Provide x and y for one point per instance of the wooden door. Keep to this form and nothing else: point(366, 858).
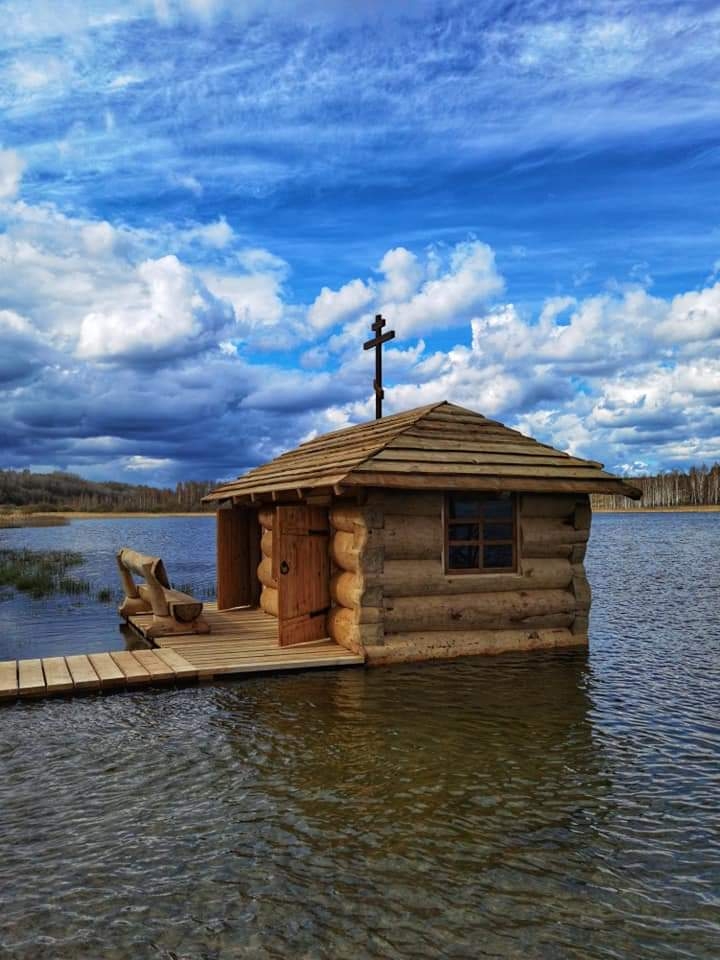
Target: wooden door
point(302, 566)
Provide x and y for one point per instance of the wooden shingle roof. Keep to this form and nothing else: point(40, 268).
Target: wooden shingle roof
point(437, 447)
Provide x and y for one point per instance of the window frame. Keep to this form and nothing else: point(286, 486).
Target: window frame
point(514, 541)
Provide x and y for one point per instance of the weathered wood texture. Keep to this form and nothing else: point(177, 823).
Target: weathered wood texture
point(440, 446)
point(302, 568)
point(238, 553)
point(356, 549)
point(246, 641)
point(78, 673)
point(266, 577)
point(436, 645)
point(482, 612)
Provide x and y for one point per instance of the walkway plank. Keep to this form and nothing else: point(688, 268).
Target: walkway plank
point(157, 668)
point(179, 665)
point(57, 675)
point(31, 680)
point(82, 673)
point(109, 673)
point(134, 672)
point(8, 679)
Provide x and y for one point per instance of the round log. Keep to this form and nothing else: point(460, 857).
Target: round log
point(435, 645)
point(180, 605)
point(139, 562)
point(413, 538)
point(346, 516)
point(551, 530)
point(269, 601)
point(548, 505)
point(418, 578)
point(470, 610)
point(343, 550)
point(265, 574)
point(346, 589)
point(343, 629)
point(266, 542)
point(266, 515)
point(406, 503)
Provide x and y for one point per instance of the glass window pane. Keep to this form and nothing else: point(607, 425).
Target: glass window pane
point(464, 531)
point(465, 505)
point(497, 531)
point(497, 555)
point(498, 509)
point(464, 558)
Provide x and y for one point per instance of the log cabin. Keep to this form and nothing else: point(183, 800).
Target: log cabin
point(433, 533)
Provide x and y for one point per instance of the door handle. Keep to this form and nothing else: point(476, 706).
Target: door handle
point(284, 567)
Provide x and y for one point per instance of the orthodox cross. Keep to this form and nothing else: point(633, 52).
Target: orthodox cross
point(377, 342)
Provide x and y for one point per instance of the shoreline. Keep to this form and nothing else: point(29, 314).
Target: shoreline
point(702, 508)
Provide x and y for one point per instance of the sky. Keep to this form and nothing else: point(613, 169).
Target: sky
point(203, 204)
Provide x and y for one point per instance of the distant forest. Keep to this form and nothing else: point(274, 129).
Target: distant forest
point(698, 487)
point(51, 492)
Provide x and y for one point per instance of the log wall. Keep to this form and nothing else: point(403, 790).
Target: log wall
point(268, 583)
point(424, 613)
point(355, 618)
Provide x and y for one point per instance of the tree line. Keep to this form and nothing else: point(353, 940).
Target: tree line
point(696, 487)
point(52, 492)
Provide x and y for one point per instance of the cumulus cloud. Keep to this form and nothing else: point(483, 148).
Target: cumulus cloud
point(450, 300)
point(622, 376)
point(336, 306)
point(174, 314)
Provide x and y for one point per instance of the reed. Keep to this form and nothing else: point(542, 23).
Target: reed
point(15, 520)
point(41, 573)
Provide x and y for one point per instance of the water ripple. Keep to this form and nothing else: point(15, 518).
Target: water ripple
point(548, 806)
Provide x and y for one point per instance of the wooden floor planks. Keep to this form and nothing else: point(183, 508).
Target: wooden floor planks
point(245, 640)
point(241, 641)
point(79, 673)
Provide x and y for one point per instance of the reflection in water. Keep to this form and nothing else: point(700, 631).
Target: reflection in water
point(543, 806)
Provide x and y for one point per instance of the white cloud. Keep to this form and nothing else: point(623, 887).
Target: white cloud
point(187, 182)
point(450, 299)
point(12, 166)
point(123, 80)
point(337, 306)
point(170, 314)
point(403, 274)
point(139, 463)
point(98, 237)
point(693, 316)
point(256, 299)
point(218, 234)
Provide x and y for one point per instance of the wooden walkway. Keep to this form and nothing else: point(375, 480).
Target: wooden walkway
point(245, 640)
point(92, 672)
point(241, 641)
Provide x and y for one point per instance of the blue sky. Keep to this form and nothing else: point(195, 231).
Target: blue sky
point(203, 204)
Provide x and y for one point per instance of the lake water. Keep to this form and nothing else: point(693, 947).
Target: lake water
point(540, 806)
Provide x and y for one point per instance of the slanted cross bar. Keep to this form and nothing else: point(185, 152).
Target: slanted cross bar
point(377, 342)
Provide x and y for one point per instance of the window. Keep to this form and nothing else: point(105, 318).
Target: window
point(480, 533)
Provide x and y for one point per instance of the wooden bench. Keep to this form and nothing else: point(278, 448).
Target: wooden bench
point(173, 611)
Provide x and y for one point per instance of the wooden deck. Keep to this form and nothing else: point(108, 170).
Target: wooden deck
point(81, 673)
point(242, 641)
point(245, 640)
